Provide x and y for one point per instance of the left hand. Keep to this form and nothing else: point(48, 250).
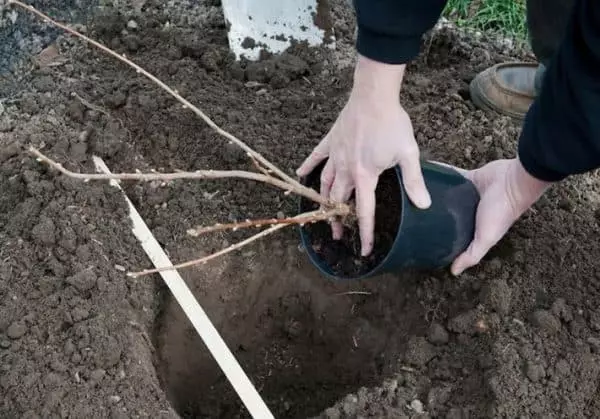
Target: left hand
point(507, 190)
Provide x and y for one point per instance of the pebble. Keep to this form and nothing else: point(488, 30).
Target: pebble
point(350, 404)
point(417, 406)
point(16, 330)
point(419, 352)
point(437, 334)
point(546, 321)
point(83, 281)
point(97, 375)
point(132, 24)
point(115, 399)
point(4, 343)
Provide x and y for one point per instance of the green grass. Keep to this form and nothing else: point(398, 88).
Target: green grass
point(506, 17)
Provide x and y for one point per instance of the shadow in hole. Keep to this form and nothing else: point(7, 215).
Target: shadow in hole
point(304, 341)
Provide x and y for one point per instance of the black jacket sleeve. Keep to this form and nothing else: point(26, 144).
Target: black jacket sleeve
point(561, 131)
point(390, 31)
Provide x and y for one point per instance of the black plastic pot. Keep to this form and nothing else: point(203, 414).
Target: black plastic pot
point(406, 236)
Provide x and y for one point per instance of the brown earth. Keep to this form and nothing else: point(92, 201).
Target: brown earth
point(517, 336)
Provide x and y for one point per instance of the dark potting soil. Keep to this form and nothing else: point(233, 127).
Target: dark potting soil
point(519, 335)
point(343, 257)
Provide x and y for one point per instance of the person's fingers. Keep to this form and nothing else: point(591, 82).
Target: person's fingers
point(340, 192)
point(366, 184)
point(460, 170)
point(473, 255)
point(319, 153)
point(327, 179)
point(413, 181)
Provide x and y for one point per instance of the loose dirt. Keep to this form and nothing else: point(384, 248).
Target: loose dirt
point(517, 336)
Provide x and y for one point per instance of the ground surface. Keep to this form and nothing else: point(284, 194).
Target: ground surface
point(517, 336)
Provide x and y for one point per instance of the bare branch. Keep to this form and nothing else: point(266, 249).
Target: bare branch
point(306, 218)
point(198, 174)
point(229, 249)
point(308, 192)
point(205, 259)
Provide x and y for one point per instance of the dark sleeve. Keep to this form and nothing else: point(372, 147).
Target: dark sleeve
point(390, 31)
point(561, 131)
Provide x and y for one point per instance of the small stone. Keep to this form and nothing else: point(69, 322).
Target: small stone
point(97, 375)
point(437, 334)
point(115, 399)
point(16, 330)
point(419, 352)
point(69, 347)
point(132, 24)
point(83, 281)
point(535, 372)
point(4, 343)
point(417, 406)
point(546, 321)
point(350, 405)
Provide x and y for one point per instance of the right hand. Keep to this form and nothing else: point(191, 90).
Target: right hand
point(372, 133)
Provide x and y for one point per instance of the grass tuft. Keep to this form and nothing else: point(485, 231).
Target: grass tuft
point(505, 17)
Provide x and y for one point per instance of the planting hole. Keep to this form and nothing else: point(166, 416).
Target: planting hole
point(304, 341)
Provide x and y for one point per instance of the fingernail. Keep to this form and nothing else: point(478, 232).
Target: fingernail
point(365, 251)
point(425, 200)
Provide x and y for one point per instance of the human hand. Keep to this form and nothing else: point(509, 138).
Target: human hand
point(372, 133)
point(506, 191)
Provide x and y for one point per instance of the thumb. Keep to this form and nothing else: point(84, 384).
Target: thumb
point(320, 152)
point(472, 256)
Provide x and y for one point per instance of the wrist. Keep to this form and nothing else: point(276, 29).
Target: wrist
point(377, 81)
point(530, 187)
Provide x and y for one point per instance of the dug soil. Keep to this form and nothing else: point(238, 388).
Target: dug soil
point(517, 336)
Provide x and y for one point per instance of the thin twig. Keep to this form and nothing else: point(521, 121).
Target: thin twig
point(229, 249)
point(355, 293)
point(308, 192)
point(299, 219)
point(205, 259)
point(198, 174)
